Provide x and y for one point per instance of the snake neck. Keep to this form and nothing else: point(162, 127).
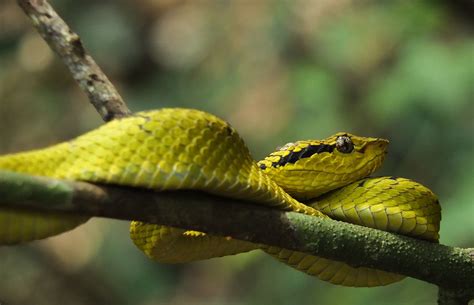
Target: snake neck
point(269, 191)
point(168, 149)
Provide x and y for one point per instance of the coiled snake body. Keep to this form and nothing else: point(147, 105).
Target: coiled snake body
point(172, 149)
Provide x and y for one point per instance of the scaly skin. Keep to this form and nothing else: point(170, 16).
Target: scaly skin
point(387, 203)
point(174, 149)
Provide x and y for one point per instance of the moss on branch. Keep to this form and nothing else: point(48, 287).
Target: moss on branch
point(447, 267)
point(450, 268)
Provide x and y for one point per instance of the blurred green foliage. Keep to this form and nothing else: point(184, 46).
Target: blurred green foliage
point(277, 71)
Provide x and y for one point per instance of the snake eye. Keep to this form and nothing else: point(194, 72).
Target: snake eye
point(344, 144)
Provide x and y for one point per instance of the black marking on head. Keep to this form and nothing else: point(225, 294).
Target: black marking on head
point(393, 178)
point(262, 166)
point(306, 152)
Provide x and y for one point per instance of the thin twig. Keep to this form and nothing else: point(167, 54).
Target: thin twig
point(448, 267)
point(68, 45)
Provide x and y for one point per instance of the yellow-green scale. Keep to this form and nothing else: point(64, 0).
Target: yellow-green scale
point(189, 149)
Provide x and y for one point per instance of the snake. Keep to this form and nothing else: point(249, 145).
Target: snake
point(179, 148)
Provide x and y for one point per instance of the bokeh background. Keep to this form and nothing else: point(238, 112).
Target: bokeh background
point(278, 71)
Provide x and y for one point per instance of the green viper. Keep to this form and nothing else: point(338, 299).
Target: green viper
point(172, 149)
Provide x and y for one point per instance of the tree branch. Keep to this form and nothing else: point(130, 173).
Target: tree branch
point(67, 44)
point(447, 267)
point(450, 268)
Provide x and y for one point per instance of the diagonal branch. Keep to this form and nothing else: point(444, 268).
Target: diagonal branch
point(447, 267)
point(67, 44)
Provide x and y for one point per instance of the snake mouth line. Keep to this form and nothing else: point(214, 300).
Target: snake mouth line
point(334, 173)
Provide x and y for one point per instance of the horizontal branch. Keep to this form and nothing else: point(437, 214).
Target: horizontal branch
point(450, 268)
point(447, 267)
point(67, 44)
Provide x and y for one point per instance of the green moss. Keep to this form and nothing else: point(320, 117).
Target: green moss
point(20, 190)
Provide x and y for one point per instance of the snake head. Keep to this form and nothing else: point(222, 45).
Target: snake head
point(307, 169)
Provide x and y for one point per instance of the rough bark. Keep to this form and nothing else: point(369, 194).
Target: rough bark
point(451, 268)
point(68, 45)
point(448, 267)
